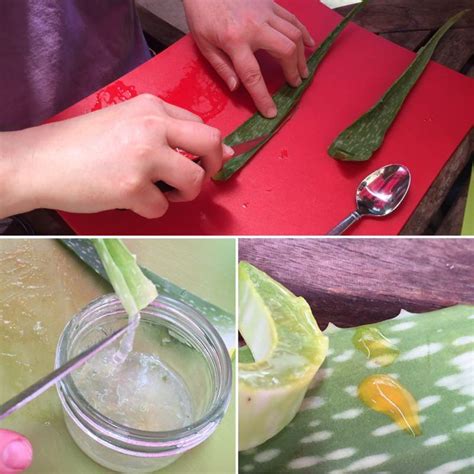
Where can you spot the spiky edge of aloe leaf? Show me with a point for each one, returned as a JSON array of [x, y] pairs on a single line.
[[285, 99], [361, 139], [222, 320]]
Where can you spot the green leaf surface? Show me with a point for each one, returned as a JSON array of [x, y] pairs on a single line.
[[468, 224], [223, 321], [286, 99], [133, 288], [336, 433], [361, 139]]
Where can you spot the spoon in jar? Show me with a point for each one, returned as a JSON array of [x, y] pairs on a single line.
[[378, 195], [29, 394]]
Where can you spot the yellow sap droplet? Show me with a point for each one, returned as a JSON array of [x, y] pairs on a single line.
[[370, 341], [384, 394]]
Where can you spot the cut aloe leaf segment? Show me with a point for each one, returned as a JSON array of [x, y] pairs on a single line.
[[365, 136], [133, 288], [286, 99], [223, 321], [285, 348]]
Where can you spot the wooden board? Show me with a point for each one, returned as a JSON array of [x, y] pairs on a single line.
[[291, 185], [357, 281]]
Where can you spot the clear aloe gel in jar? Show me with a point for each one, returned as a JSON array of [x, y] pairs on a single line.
[[165, 398]]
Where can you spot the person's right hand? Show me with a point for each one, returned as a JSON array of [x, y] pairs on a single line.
[[16, 452], [109, 159]]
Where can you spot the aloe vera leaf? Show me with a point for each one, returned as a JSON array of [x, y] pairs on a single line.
[[223, 321], [288, 346], [335, 432], [361, 139], [133, 288], [285, 99]]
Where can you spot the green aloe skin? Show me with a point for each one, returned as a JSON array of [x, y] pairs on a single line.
[[223, 321], [360, 140], [285, 99], [336, 433]]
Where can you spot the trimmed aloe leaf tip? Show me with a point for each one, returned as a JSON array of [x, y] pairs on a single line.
[[285, 99], [361, 139], [133, 288]]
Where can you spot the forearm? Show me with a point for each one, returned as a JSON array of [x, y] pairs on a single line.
[[16, 191]]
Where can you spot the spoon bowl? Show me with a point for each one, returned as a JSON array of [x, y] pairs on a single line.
[[378, 195]]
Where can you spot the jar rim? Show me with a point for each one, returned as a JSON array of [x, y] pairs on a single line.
[[132, 439]]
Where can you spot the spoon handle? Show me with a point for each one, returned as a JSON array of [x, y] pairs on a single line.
[[345, 224]]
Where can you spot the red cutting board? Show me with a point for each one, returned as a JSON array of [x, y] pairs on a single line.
[[292, 186]]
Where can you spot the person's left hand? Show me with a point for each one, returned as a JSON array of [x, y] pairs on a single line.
[[228, 32]]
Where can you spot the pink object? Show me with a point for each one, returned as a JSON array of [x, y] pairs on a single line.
[[292, 186], [16, 452]]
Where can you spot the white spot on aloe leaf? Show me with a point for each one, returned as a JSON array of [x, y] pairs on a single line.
[[267, 455], [247, 468], [367, 462], [321, 375], [312, 403], [453, 466], [428, 401], [403, 326], [391, 428], [351, 390], [344, 357], [348, 414], [306, 461], [462, 381], [386, 429], [314, 423], [464, 361], [467, 428], [421, 351], [317, 437], [462, 341], [343, 453], [459, 409], [435, 440]]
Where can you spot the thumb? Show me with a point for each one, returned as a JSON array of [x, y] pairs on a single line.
[[16, 452], [222, 64]]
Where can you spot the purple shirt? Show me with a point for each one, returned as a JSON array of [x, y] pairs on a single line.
[[55, 52]]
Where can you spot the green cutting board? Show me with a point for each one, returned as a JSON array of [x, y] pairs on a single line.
[[42, 285]]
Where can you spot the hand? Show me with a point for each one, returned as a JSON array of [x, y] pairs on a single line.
[[16, 452], [228, 32], [109, 159]]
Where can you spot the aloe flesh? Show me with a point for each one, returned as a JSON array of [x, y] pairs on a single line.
[[223, 321], [360, 140], [285, 99], [133, 288]]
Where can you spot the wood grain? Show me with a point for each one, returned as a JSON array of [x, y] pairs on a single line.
[[382, 16], [356, 281], [408, 39]]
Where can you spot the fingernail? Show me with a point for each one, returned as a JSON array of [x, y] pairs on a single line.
[[17, 455], [228, 151], [312, 42], [305, 72], [271, 111], [232, 84], [298, 82]]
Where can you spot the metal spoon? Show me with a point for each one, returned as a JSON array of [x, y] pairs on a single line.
[[54, 377], [379, 194]]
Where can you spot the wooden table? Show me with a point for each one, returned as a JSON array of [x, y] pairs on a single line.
[[405, 22], [351, 282]]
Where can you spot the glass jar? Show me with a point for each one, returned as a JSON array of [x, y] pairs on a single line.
[[183, 340]]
